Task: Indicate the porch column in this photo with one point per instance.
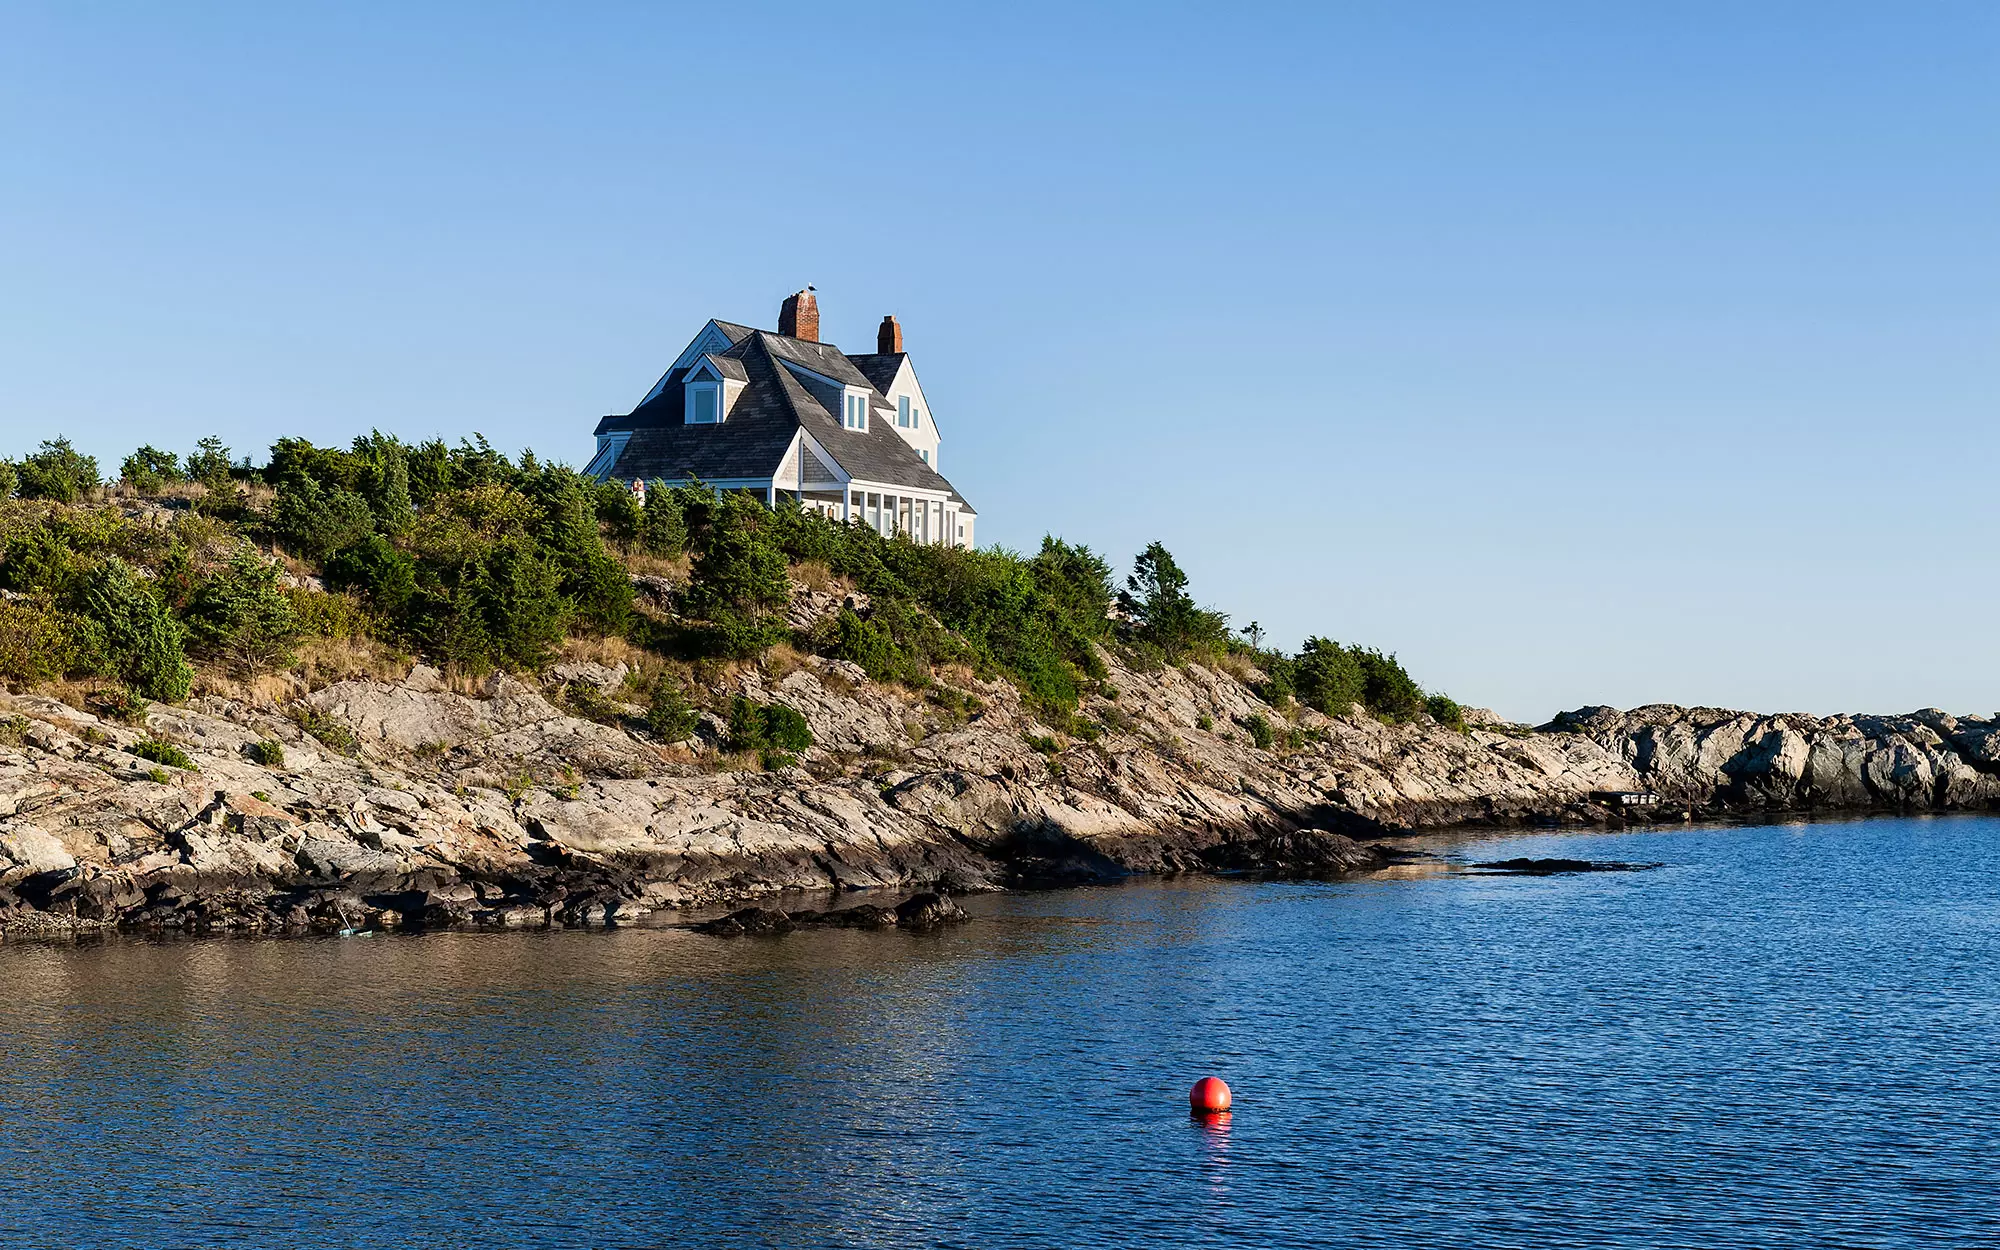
(847, 503)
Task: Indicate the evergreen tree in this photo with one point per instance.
(315, 522)
(1162, 612)
(385, 481)
(57, 472)
(143, 642)
(149, 468)
(208, 464)
(738, 571)
(239, 616)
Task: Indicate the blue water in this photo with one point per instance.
(1786, 1036)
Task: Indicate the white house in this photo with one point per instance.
(785, 414)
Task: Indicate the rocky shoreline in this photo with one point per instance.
(412, 804)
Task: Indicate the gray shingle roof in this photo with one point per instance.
(772, 406)
(879, 368)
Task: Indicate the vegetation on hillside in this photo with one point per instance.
(475, 561)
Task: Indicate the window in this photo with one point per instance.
(704, 405)
(925, 453)
(856, 416)
(903, 412)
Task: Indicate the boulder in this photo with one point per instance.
(929, 911)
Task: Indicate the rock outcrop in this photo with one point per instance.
(1711, 758)
(411, 804)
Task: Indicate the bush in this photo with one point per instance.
(773, 730)
(36, 644)
(663, 530)
(268, 753)
(149, 468)
(1260, 730)
(1386, 689)
(668, 714)
(738, 570)
(122, 705)
(239, 616)
(208, 464)
(1162, 613)
(327, 730)
(315, 522)
(143, 643)
(9, 479)
(1327, 677)
(160, 751)
(58, 472)
(1446, 712)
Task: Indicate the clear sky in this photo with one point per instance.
(1579, 353)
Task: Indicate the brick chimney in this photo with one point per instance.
(889, 337)
(799, 317)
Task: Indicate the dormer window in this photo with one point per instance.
(704, 403)
(856, 416)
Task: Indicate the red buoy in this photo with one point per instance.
(1209, 1096)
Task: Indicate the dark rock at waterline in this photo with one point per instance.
(922, 912)
(748, 920)
(1551, 867)
(929, 911)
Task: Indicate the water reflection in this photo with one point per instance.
(1767, 1038)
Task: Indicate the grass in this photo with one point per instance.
(330, 732)
(160, 751)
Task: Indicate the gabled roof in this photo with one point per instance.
(880, 368)
(772, 407)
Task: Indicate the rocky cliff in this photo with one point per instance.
(413, 803)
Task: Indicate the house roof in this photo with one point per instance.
(774, 404)
(880, 368)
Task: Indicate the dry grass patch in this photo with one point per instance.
(815, 576)
(646, 564)
(780, 661)
(609, 651)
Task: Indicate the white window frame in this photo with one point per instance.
(711, 389)
(855, 415)
(903, 413)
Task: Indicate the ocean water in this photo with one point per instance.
(1786, 1036)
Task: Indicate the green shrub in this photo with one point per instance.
(239, 616)
(158, 776)
(315, 522)
(149, 468)
(738, 570)
(57, 471)
(1205, 723)
(324, 614)
(1156, 601)
(142, 640)
(1445, 711)
(773, 730)
(36, 644)
(13, 730)
(125, 706)
(663, 530)
(269, 753)
(9, 479)
(160, 751)
(330, 732)
(1042, 742)
(208, 464)
(1260, 730)
(1328, 677)
(668, 714)
(1386, 689)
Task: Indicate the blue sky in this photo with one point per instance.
(1578, 352)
